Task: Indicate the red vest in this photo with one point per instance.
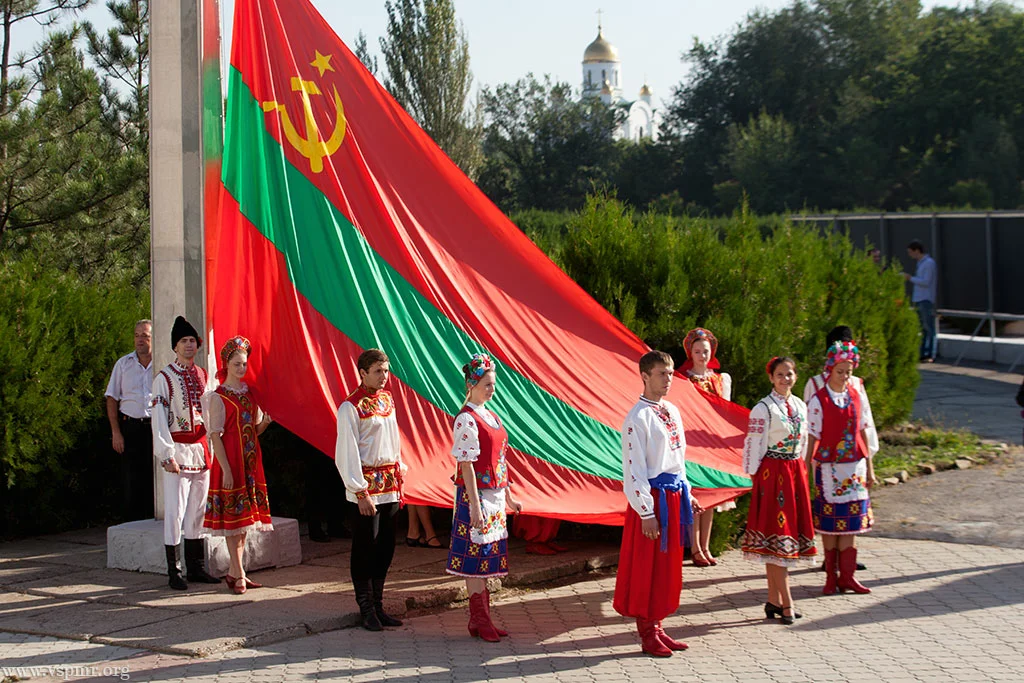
(490, 468)
(841, 437)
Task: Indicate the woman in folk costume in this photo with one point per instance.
(701, 363)
(839, 418)
(780, 533)
(237, 501)
(479, 539)
(660, 510)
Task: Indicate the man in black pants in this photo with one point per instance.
(368, 457)
(128, 397)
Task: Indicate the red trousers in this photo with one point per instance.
(649, 581)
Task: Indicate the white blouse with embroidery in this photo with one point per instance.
(648, 450)
(466, 437)
(768, 426)
(811, 389)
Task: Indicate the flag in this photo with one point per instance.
(341, 226)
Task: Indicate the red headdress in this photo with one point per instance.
(700, 334)
(232, 346)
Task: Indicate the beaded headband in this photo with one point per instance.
(478, 366)
(695, 335)
(841, 351)
(232, 346)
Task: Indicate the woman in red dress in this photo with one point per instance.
(701, 368)
(237, 501)
(780, 531)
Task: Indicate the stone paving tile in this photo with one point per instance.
(937, 613)
(14, 573)
(54, 552)
(88, 584)
(76, 619)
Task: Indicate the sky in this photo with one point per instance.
(507, 39)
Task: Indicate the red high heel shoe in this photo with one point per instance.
(252, 584)
(699, 560)
(236, 585)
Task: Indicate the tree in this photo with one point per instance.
(762, 157)
(427, 58)
(363, 54)
(546, 147)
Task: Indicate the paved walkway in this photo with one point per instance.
(977, 397)
(939, 612)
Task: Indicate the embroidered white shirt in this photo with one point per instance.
(178, 407)
(815, 383)
(131, 385)
(370, 441)
(769, 424)
(466, 433)
(649, 449)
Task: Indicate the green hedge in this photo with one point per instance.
(59, 338)
(764, 286)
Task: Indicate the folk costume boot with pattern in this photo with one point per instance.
(650, 643)
(847, 567)
(480, 625)
(378, 605)
(487, 606)
(175, 579)
(831, 571)
(195, 561)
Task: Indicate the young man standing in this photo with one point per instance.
(128, 397)
(650, 575)
(926, 287)
(368, 457)
(181, 448)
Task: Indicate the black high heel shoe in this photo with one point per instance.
(783, 618)
(771, 611)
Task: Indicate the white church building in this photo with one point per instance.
(602, 77)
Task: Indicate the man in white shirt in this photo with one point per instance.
(128, 397)
(926, 288)
(661, 508)
(368, 457)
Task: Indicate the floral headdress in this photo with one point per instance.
(230, 348)
(478, 366)
(695, 335)
(841, 351)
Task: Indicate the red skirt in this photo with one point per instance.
(649, 581)
(780, 528)
(535, 529)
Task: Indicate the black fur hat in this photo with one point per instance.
(183, 328)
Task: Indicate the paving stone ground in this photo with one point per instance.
(938, 612)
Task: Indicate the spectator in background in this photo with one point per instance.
(925, 280)
(128, 396)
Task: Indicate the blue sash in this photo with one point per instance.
(674, 482)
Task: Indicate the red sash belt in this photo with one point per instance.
(195, 436)
(383, 479)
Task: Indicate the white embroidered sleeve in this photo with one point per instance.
(346, 449)
(814, 417)
(213, 409)
(867, 421)
(163, 444)
(635, 482)
(726, 386)
(756, 443)
(805, 439)
(466, 439)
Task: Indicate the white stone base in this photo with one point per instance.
(139, 547)
(1004, 351)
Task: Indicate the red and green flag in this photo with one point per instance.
(342, 226)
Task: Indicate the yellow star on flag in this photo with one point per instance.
(322, 62)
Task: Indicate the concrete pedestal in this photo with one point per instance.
(139, 546)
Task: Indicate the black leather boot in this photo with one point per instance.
(176, 581)
(195, 561)
(378, 605)
(364, 598)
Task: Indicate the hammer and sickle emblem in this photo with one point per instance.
(313, 147)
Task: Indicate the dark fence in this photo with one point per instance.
(980, 256)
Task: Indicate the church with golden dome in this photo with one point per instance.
(602, 77)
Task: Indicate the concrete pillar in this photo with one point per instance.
(176, 172)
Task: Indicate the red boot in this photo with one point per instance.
(479, 623)
(847, 566)
(831, 568)
(487, 607)
(668, 641)
(651, 643)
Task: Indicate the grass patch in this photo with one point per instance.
(913, 444)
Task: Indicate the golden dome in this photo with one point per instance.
(600, 50)
(645, 91)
